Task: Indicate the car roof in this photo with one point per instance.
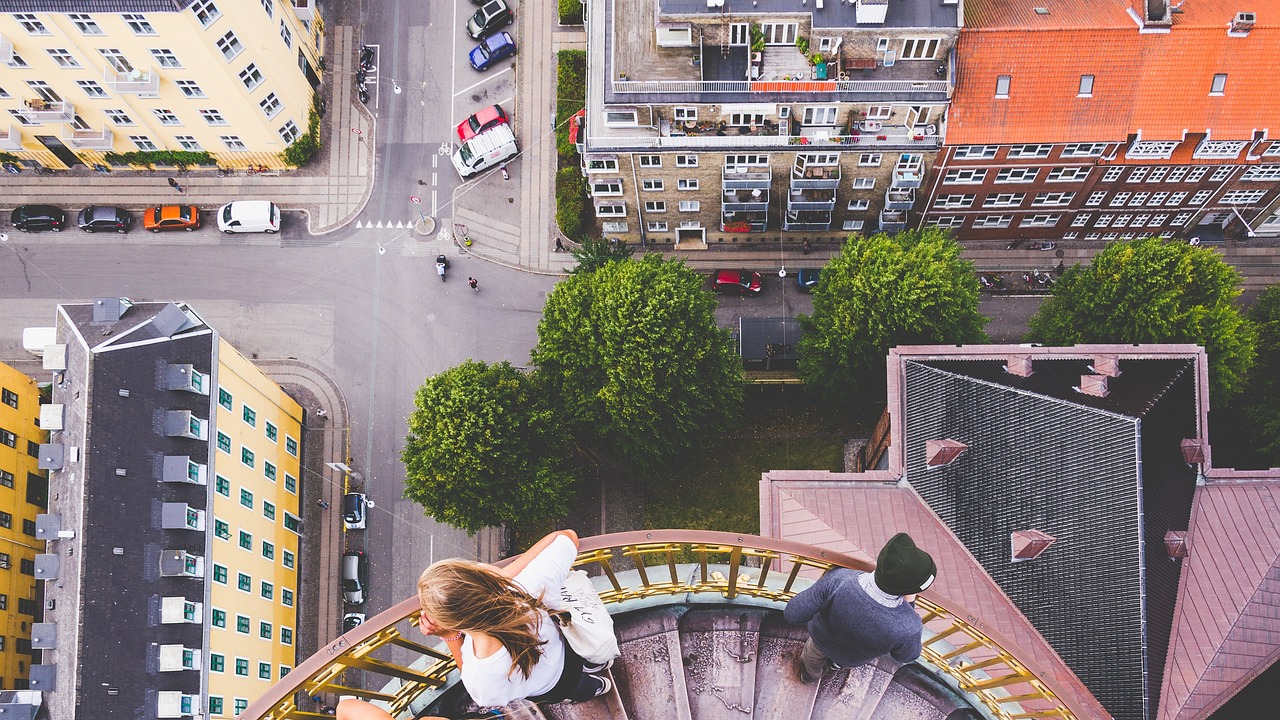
(730, 275)
(492, 112)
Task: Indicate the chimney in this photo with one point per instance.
(1019, 365)
(942, 452)
(1028, 544)
(1108, 365)
(1156, 12)
(1192, 451)
(1175, 543)
(1095, 385)
(1242, 24)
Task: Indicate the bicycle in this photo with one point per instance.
(226, 172)
(462, 230)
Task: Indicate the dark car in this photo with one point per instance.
(489, 117)
(807, 279)
(104, 218)
(736, 282)
(35, 218)
(490, 18)
(492, 50)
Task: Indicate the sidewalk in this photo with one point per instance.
(331, 190)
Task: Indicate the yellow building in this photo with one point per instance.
(234, 78)
(256, 524)
(24, 492)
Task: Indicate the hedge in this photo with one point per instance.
(570, 12)
(572, 208)
(176, 158)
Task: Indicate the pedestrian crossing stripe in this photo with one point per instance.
(399, 224)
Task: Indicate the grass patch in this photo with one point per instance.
(572, 209)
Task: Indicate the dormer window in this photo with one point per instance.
(181, 423)
(1086, 86)
(186, 377)
(177, 609)
(1219, 85)
(175, 658)
(1002, 86)
(181, 516)
(181, 468)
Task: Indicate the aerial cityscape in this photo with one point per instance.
(644, 359)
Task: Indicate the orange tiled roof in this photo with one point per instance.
(1156, 83)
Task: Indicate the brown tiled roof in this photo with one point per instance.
(1157, 83)
(856, 518)
(1226, 627)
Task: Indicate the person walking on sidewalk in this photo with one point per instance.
(854, 617)
(174, 184)
(323, 503)
(559, 245)
(475, 284)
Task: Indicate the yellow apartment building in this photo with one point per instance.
(234, 78)
(253, 599)
(24, 492)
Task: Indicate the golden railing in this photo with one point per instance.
(671, 562)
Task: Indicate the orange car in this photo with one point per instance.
(171, 217)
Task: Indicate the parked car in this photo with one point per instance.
(492, 50)
(243, 216)
(490, 18)
(104, 218)
(171, 217)
(355, 576)
(353, 511)
(351, 620)
(736, 282)
(807, 279)
(35, 218)
(489, 117)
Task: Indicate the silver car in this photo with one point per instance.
(355, 577)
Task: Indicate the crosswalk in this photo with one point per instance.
(385, 225)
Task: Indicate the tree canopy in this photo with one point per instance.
(882, 291)
(594, 253)
(1262, 401)
(1154, 291)
(633, 355)
(482, 450)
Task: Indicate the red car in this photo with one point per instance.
(736, 282)
(481, 121)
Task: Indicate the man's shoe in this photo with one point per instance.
(593, 669)
(805, 677)
(605, 685)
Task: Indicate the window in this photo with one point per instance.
(267, 590)
(268, 510)
(1081, 220)
(63, 57)
(289, 132)
(1119, 198)
(1139, 198)
(269, 470)
(286, 636)
(1222, 173)
(1086, 86)
(242, 667)
(16, 61)
(119, 117)
(655, 206)
(246, 498)
(1112, 174)
(230, 45)
(29, 528)
(6, 478)
(85, 24)
(1176, 199)
(1157, 173)
(165, 58)
(219, 618)
(650, 161)
(1030, 151)
(264, 670)
(1042, 220)
(1181, 218)
(166, 117)
(286, 34)
(919, 49)
(222, 486)
(271, 431)
(976, 152)
(1219, 84)
(684, 113)
(608, 186)
(138, 24)
(692, 183)
(1152, 148)
(286, 558)
(1067, 174)
(215, 704)
(224, 442)
(779, 33)
(233, 142)
(946, 221)
(292, 522)
(286, 597)
(1242, 197)
(1070, 235)
(620, 118)
(92, 89)
(1002, 86)
(598, 164)
(268, 550)
(852, 224)
(992, 221)
(657, 226)
(267, 6)
(217, 662)
(879, 112)
(265, 630)
(690, 206)
(1053, 199)
(31, 24)
(858, 205)
(251, 76)
(762, 160)
(1017, 175)
(116, 60)
(821, 115)
(241, 704)
(687, 161)
(246, 543)
(213, 117)
(270, 105)
(8, 438)
(965, 177)
(190, 88)
(246, 456)
(869, 159)
(1196, 173)
(1139, 220)
(1003, 199)
(1138, 175)
(6, 519)
(291, 483)
(1176, 174)
(740, 119)
(1158, 198)
(1121, 221)
(954, 201)
(221, 529)
(206, 12)
(864, 183)
(1262, 172)
(1201, 197)
(188, 142)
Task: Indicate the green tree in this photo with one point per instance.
(634, 357)
(882, 291)
(482, 450)
(1262, 401)
(594, 254)
(1154, 291)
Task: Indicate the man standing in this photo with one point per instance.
(854, 617)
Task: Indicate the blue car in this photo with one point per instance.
(807, 279)
(492, 50)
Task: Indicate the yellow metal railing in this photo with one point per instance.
(667, 562)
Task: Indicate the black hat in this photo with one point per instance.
(902, 568)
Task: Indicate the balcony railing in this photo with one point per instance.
(779, 86)
(899, 198)
(893, 220)
(743, 226)
(635, 567)
(744, 200)
(811, 199)
(740, 178)
(12, 138)
(791, 226)
(89, 139)
(135, 81)
(907, 177)
(39, 111)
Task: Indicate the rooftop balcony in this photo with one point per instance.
(88, 139)
(742, 177)
(39, 111)
(892, 221)
(698, 618)
(907, 176)
(135, 82)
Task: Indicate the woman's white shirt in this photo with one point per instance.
(487, 679)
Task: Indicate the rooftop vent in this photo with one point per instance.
(1028, 544)
(1095, 385)
(117, 551)
(121, 472)
(1192, 451)
(1042, 11)
(109, 310)
(1019, 365)
(1242, 24)
(942, 452)
(1175, 543)
(1108, 365)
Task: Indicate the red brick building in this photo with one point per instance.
(1107, 119)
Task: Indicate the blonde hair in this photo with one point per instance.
(465, 596)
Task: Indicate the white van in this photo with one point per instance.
(485, 151)
(249, 216)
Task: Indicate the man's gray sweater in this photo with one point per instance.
(849, 626)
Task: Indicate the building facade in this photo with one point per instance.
(769, 123)
(233, 78)
(175, 528)
(24, 493)
(1110, 119)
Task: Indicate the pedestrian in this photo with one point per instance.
(174, 184)
(475, 284)
(321, 413)
(559, 245)
(854, 617)
(499, 630)
(323, 503)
